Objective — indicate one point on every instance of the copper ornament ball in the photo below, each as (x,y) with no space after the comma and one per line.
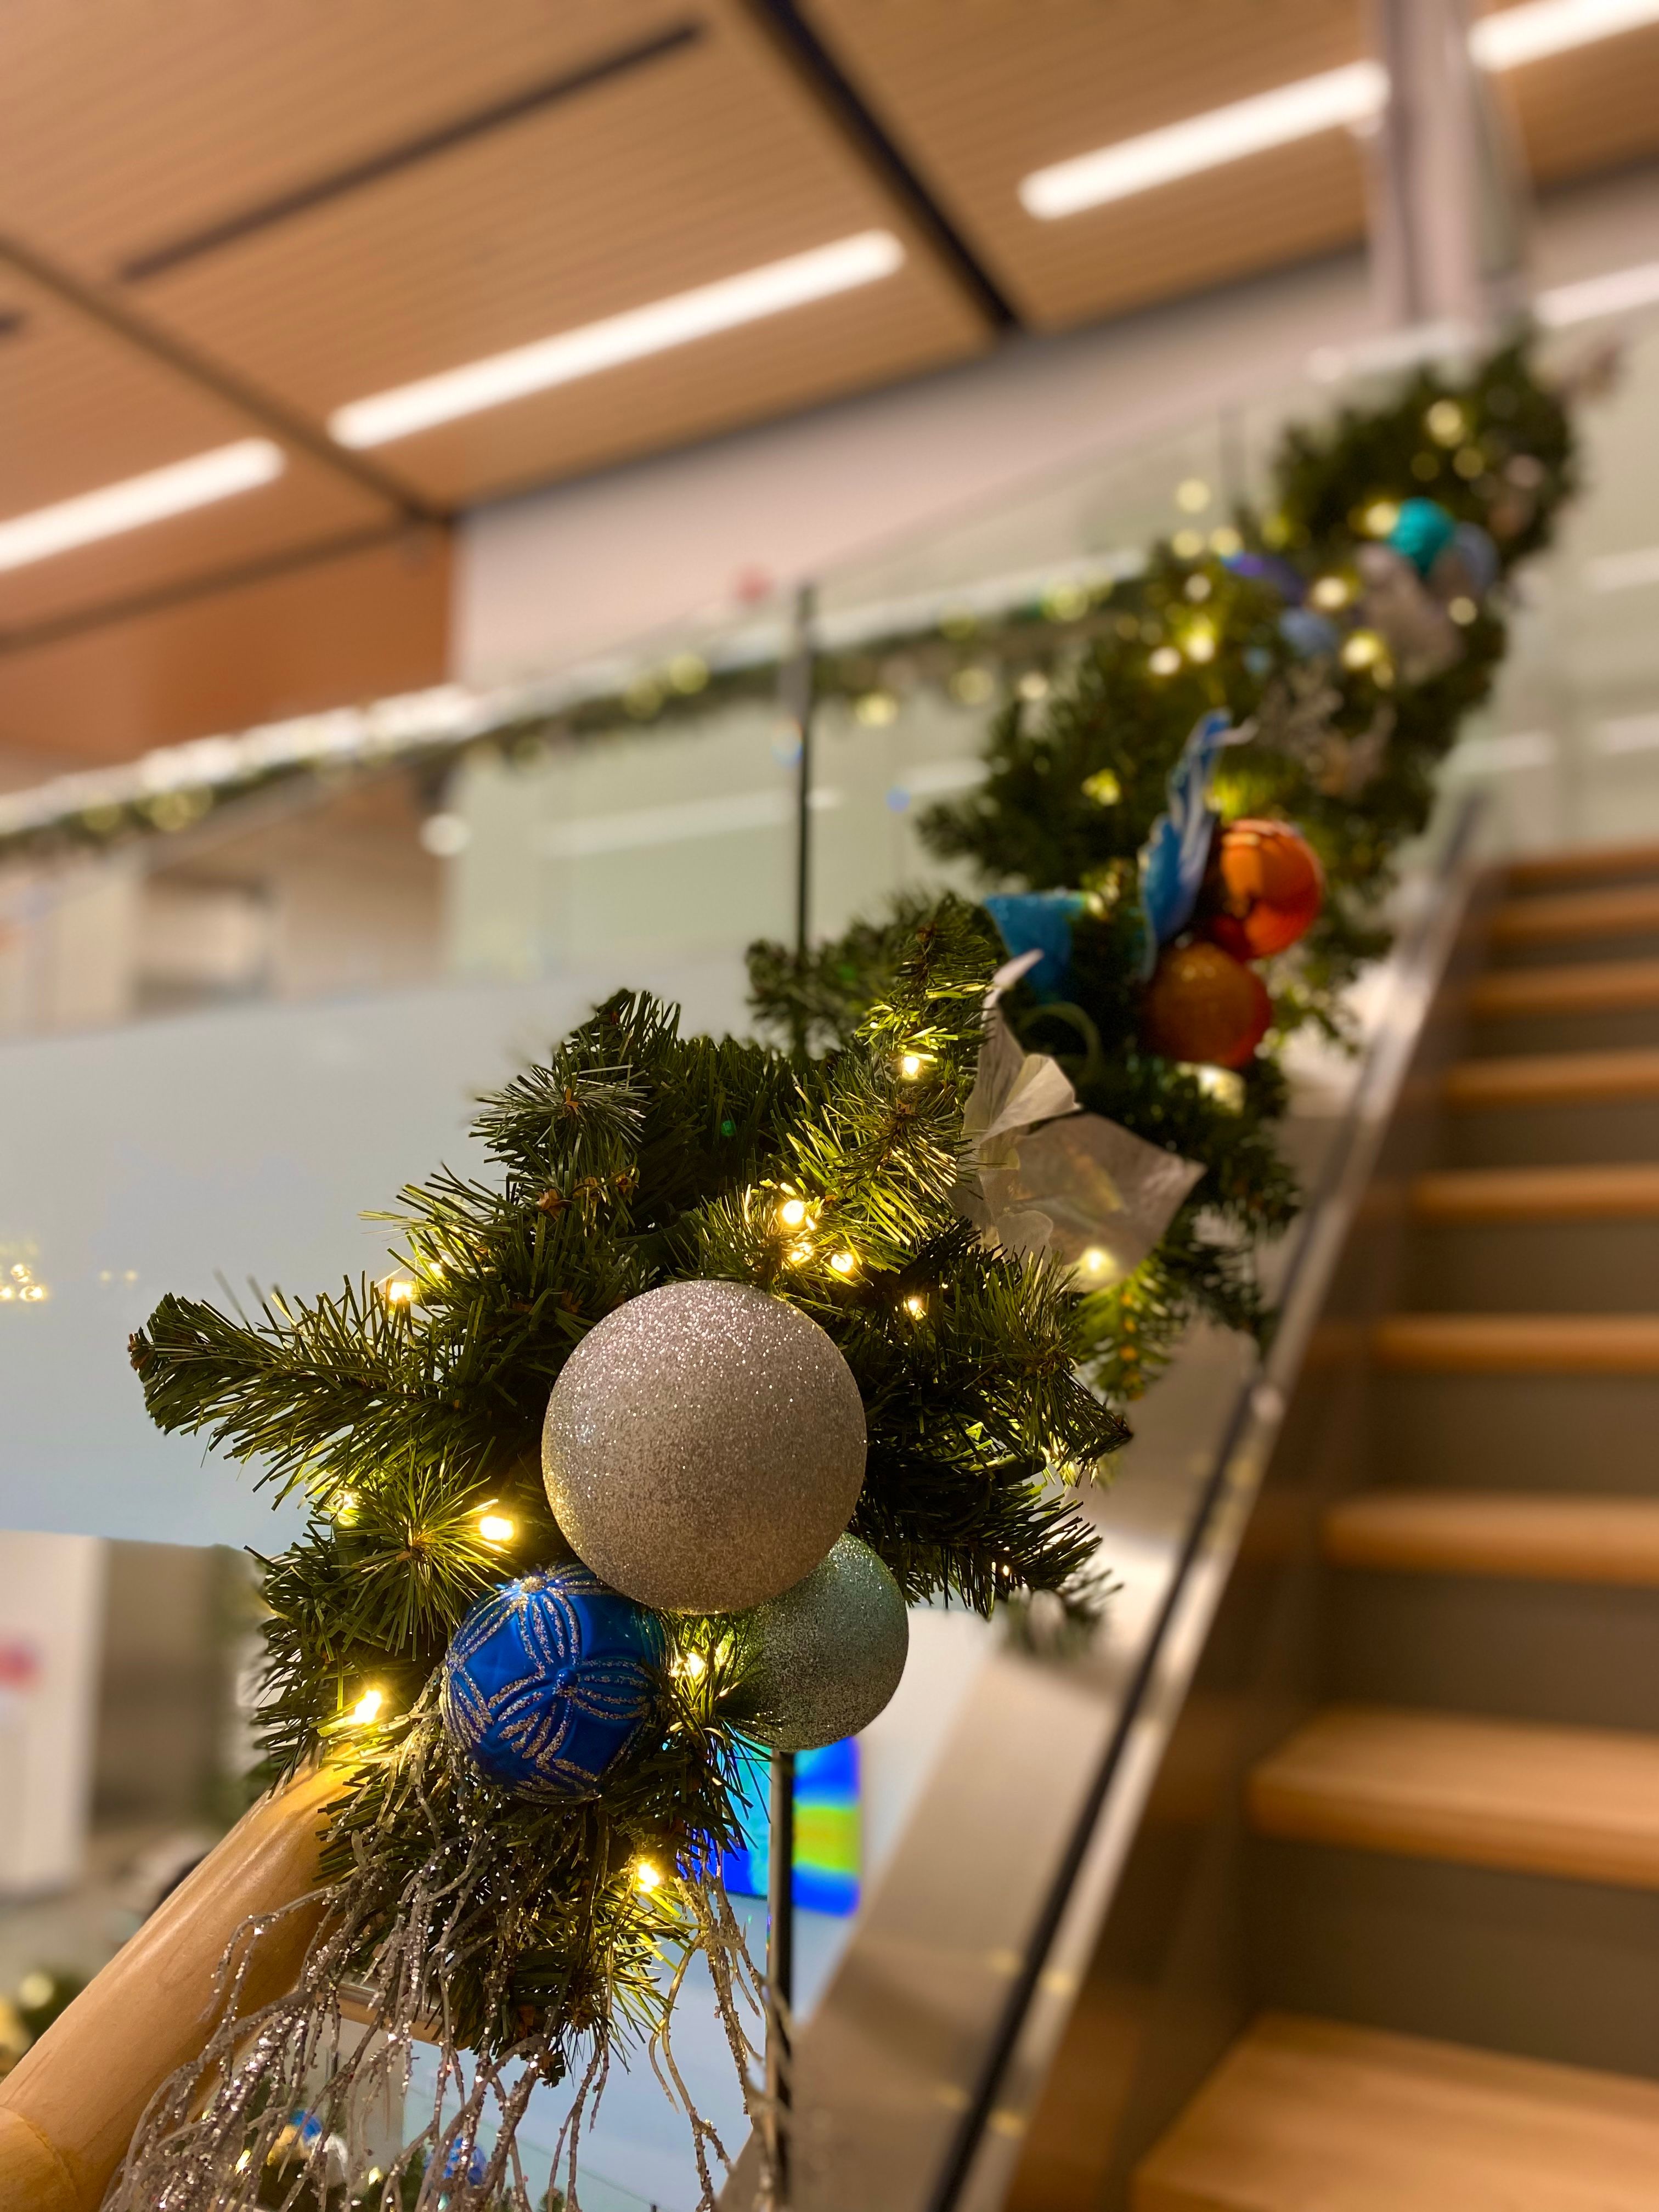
(1204,1005)
(1263,890)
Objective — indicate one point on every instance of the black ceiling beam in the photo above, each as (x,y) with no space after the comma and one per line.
(410,153)
(260,406)
(837,91)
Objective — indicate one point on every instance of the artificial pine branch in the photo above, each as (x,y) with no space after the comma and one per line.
(402,1410)
(1348,754)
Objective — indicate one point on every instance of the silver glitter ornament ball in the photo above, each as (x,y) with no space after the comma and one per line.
(826,1656)
(704,1447)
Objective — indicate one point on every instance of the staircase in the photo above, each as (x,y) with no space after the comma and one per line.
(1452,1874)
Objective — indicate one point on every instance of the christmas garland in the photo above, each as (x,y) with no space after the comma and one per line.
(1343,635)
(577,1478)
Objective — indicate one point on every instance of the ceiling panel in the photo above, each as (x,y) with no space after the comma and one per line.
(80,409)
(198,110)
(1591,108)
(708,159)
(980,93)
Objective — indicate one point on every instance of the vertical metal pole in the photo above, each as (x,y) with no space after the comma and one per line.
(1447,224)
(780,1969)
(795,696)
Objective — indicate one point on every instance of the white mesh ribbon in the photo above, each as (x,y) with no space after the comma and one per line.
(1043,1178)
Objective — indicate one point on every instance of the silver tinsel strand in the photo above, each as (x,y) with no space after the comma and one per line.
(206,2138)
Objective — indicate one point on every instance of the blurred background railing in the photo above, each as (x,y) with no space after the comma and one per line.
(648,810)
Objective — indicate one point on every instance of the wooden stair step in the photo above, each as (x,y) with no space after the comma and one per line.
(1623,910)
(1592,987)
(1622,1193)
(1511,1344)
(1578,1802)
(1554,1079)
(1313,2116)
(1521,1534)
(1578,862)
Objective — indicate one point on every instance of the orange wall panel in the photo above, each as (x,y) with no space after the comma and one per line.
(358,626)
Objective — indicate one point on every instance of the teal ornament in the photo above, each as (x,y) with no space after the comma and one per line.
(1422,533)
(823,1660)
(549,1680)
(1176,853)
(1039,922)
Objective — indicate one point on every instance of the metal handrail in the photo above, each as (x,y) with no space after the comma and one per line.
(1241,1457)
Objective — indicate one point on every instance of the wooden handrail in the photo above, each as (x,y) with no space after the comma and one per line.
(69,2108)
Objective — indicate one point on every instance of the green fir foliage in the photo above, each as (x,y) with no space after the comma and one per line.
(1348,752)
(403,1411)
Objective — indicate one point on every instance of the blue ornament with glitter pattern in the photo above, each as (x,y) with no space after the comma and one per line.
(550,1680)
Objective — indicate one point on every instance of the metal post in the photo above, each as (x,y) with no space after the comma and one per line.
(795,696)
(780,1969)
(1446,221)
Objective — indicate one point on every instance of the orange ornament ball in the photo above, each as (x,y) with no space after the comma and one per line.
(1264,889)
(1202,1004)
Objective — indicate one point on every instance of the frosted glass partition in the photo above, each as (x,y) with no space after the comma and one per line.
(192,1154)
(627,847)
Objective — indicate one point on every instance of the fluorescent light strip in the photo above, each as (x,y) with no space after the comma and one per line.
(150,498)
(1629,733)
(1612,294)
(675,321)
(1353,95)
(1497,756)
(1622,572)
(1510,36)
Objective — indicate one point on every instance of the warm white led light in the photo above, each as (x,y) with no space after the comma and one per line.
(585,351)
(1353,95)
(129,505)
(1514,35)
(1614,293)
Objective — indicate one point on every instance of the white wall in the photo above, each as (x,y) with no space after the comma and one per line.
(51,1594)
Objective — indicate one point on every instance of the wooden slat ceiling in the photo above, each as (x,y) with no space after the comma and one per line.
(982,92)
(1593,107)
(78,410)
(326,201)
(309,202)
